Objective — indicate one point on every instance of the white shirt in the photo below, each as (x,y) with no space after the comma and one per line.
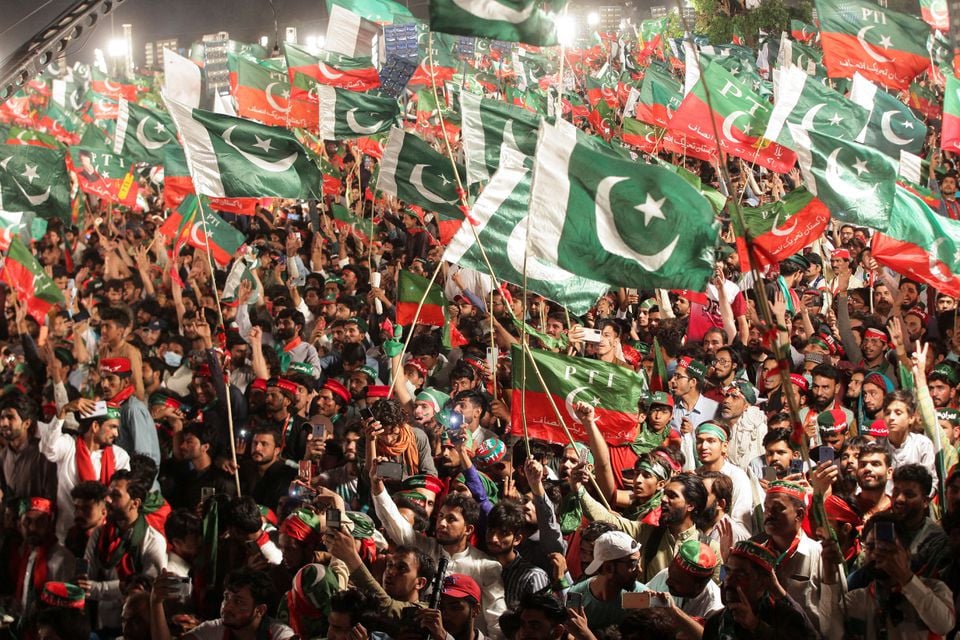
(214,630)
(916,449)
(700,606)
(61,448)
(60,568)
(742,508)
(746,437)
(704,410)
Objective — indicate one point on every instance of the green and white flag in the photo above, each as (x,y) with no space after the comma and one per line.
(34,179)
(893,126)
(142,134)
(510,20)
(614,220)
(376,10)
(416,174)
(500,219)
(856,183)
(350,34)
(236,158)
(350,114)
(489,128)
(810,105)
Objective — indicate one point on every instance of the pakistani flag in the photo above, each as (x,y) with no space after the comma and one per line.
(500,220)
(34,178)
(610,219)
(490,127)
(809,105)
(416,174)
(349,34)
(854,181)
(382,11)
(920,244)
(26,276)
(893,127)
(143,134)
(348,114)
(235,158)
(510,20)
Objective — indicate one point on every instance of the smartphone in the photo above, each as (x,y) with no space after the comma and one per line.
(886,532)
(334,519)
(207,492)
(493,355)
(82,568)
(631,600)
(296,234)
(319,432)
(390,471)
(306,471)
(769,474)
(825,453)
(591,335)
(183,587)
(574,600)
(796,466)
(367,414)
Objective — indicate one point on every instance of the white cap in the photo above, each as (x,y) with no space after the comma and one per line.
(612,545)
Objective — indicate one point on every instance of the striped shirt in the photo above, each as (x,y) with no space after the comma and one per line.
(522,576)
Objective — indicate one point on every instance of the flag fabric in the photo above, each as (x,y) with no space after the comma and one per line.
(920,244)
(182,79)
(410,289)
(349,34)
(614,392)
(264,94)
(802,32)
(886,46)
(924,100)
(489,128)
(854,181)
(735,111)
(633,237)
(780,229)
(102,84)
(335,70)
(382,11)
(197,226)
(660,96)
(349,114)
(19,135)
(934,13)
(416,174)
(640,135)
(34,178)
(25,275)
(142,134)
(809,105)
(659,376)
(800,55)
(104,175)
(950,125)
(516,21)
(892,127)
(104,108)
(233,157)
(500,221)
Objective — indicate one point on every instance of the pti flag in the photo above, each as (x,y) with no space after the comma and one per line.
(886,46)
(264,94)
(613,391)
(779,229)
(614,220)
(950,131)
(306,70)
(413,172)
(233,157)
(202,230)
(410,290)
(920,244)
(513,21)
(349,114)
(34,178)
(26,276)
(490,129)
(934,13)
(104,175)
(500,220)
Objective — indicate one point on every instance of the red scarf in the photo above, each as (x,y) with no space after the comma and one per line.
(85,470)
(298,609)
(116,551)
(122,395)
(39,570)
(293,344)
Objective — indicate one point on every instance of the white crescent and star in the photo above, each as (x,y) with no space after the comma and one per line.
(268,92)
(610,238)
(326,73)
(356,127)
(837,183)
(144,140)
(783,231)
(277,166)
(867,47)
(934,261)
(571,398)
(416,179)
(30,173)
(728,123)
(807,122)
(887,130)
(109,86)
(493,10)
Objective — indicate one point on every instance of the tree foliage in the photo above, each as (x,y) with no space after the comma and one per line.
(718,20)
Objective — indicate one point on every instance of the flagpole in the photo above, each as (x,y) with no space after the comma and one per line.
(216,295)
(782,352)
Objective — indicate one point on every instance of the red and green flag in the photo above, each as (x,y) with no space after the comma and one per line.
(20,135)
(640,135)
(934,13)
(779,229)
(920,244)
(660,96)
(924,100)
(738,113)
(102,84)
(24,273)
(264,94)
(802,32)
(614,392)
(104,175)
(177,185)
(885,46)
(193,224)
(410,290)
(950,125)
(356,74)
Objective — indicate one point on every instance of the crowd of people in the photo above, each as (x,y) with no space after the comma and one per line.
(280,459)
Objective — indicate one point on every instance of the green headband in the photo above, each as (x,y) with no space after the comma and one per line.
(656,470)
(712,429)
(113,413)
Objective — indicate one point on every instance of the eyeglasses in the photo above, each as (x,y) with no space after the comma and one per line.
(723,361)
(679,377)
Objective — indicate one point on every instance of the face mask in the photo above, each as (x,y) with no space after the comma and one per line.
(172,359)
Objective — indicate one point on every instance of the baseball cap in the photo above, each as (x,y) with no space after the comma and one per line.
(661,398)
(612,545)
(458,585)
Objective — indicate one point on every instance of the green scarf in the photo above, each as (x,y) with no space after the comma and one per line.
(640,511)
(153,503)
(647,440)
